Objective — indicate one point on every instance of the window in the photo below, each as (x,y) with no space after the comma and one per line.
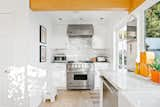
(152,29)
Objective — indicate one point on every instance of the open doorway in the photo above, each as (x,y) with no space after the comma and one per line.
(131,43)
(127,45)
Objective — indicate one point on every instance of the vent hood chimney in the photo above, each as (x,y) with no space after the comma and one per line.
(80,30)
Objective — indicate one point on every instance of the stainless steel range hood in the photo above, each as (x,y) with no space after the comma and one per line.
(80,30)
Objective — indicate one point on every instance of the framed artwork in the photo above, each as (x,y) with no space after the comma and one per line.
(43,34)
(43,53)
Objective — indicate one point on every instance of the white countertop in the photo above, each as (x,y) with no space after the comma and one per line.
(139,91)
(128,81)
(148,98)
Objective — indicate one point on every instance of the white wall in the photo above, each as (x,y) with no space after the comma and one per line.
(102,38)
(19,36)
(19,44)
(20,27)
(103,29)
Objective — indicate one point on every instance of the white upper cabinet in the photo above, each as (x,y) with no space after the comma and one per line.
(100,43)
(59,38)
(6,5)
(6,40)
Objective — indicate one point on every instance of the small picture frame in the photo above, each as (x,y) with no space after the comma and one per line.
(43,34)
(43,53)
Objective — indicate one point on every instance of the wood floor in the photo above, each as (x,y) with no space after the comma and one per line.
(75,99)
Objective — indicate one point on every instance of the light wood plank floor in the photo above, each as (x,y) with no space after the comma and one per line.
(75,99)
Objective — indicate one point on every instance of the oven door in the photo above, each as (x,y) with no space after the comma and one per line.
(77,80)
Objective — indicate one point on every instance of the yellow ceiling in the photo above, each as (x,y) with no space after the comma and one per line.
(134,4)
(52,5)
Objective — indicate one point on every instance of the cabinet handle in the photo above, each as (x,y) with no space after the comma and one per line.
(6,71)
(111,88)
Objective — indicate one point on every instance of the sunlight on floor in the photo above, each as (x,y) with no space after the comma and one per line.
(26,85)
(75,99)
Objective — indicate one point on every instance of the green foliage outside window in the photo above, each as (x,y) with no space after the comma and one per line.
(156,64)
(152,16)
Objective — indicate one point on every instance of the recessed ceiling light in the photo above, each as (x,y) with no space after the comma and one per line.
(76,12)
(101,18)
(81,18)
(60,19)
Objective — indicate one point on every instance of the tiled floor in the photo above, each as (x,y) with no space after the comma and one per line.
(75,99)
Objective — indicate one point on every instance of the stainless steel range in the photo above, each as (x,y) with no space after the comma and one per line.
(80,75)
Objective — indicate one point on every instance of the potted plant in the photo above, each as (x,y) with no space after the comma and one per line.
(155,70)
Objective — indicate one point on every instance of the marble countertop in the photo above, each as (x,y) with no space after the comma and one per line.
(139,91)
(128,81)
(149,98)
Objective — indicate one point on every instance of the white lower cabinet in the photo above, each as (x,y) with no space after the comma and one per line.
(100,67)
(123,102)
(22,86)
(57,77)
(3,90)
(27,86)
(36,85)
(12,87)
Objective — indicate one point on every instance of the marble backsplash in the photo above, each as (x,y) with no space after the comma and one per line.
(80,49)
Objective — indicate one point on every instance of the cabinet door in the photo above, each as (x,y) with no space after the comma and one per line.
(6,40)
(6,56)
(3,90)
(123,101)
(57,77)
(36,85)
(6,5)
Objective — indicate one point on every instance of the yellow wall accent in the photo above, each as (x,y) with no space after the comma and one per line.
(49,5)
(134,4)
(39,5)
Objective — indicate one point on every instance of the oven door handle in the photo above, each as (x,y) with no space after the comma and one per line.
(83,73)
